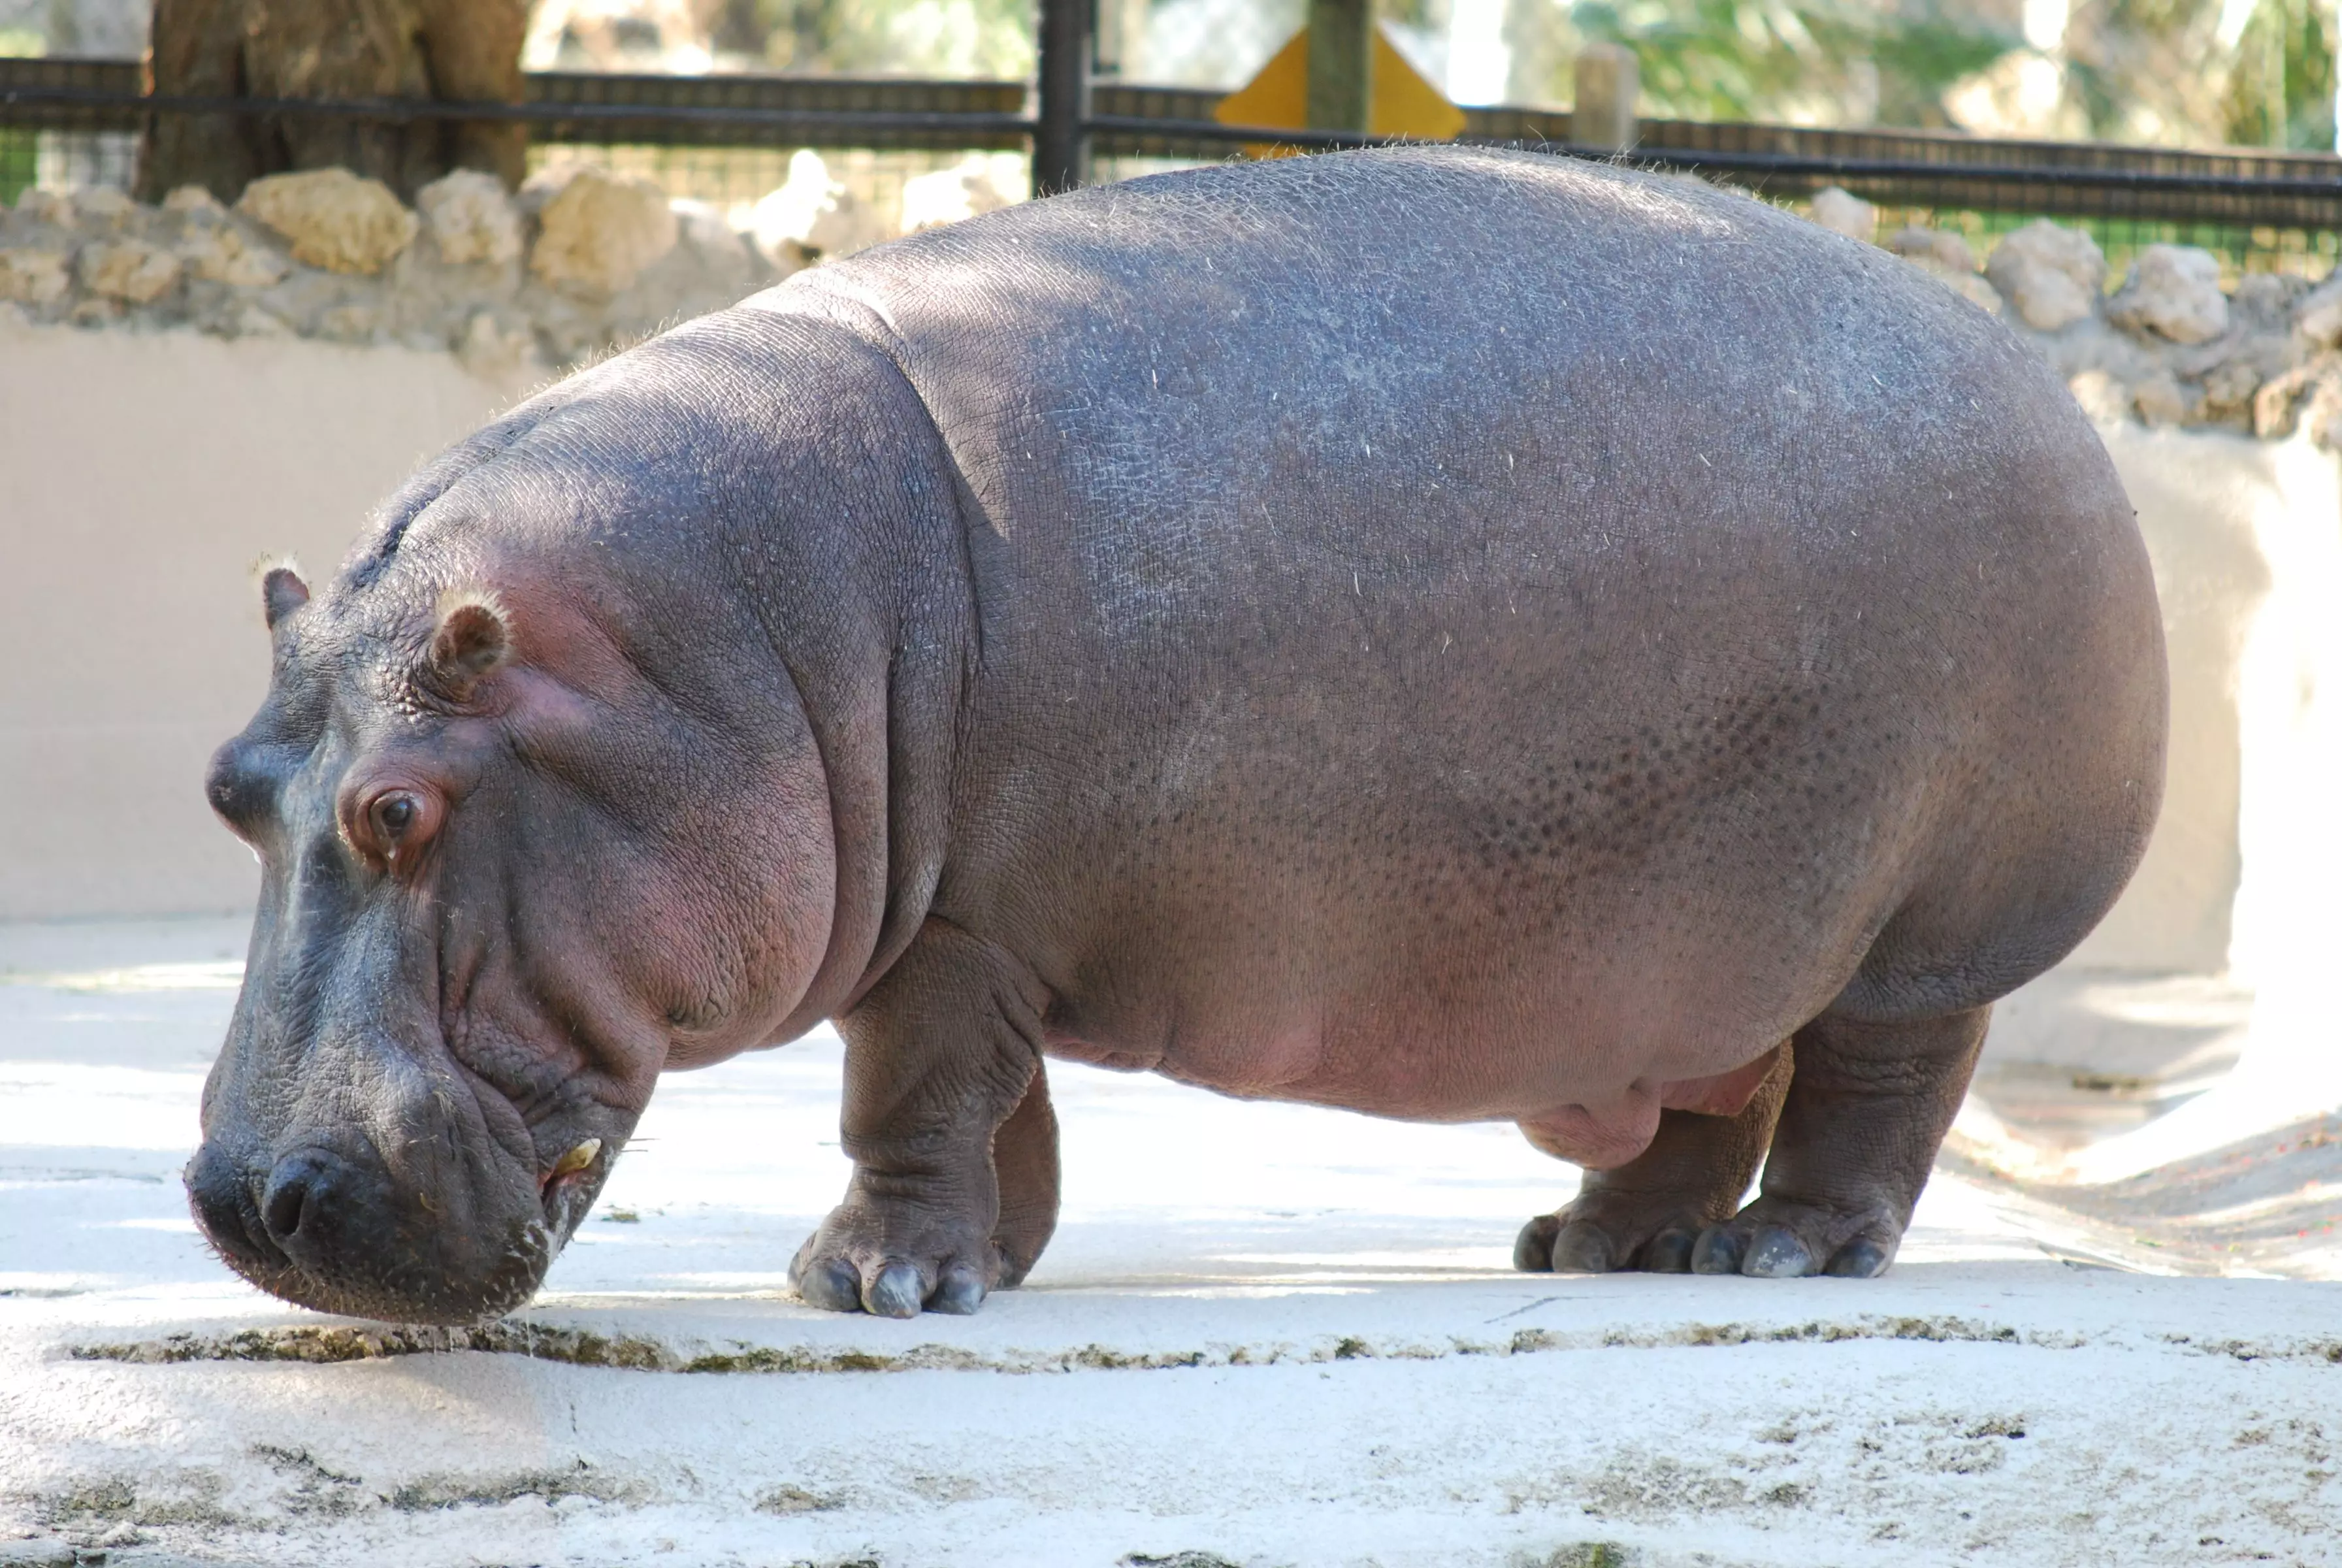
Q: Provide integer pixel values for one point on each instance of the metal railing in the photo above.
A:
(1910, 169)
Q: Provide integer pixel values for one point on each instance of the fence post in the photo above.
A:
(1609, 80)
(1341, 64)
(1061, 140)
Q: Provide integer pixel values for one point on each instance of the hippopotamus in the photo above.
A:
(1452, 634)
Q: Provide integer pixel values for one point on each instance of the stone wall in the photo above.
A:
(582, 261)
(2171, 344)
(586, 259)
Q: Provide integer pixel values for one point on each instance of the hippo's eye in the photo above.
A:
(392, 820)
(391, 823)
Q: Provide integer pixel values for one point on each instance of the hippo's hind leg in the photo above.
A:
(1024, 1162)
(1867, 1108)
(1648, 1213)
(947, 1119)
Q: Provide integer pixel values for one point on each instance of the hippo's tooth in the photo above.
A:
(577, 1159)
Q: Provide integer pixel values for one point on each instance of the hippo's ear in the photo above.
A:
(470, 640)
(281, 592)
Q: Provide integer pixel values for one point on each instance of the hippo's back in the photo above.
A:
(1517, 534)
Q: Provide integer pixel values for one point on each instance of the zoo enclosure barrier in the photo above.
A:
(727, 138)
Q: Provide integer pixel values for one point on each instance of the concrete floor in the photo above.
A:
(1265, 1334)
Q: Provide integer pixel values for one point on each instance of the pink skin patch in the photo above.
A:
(1724, 1094)
(1605, 1138)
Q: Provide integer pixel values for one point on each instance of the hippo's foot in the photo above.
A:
(1773, 1239)
(866, 1259)
(1649, 1213)
(1865, 1111)
(1607, 1230)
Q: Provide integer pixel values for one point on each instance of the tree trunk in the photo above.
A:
(460, 50)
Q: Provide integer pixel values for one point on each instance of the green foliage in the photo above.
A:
(1810, 61)
(2157, 71)
(2281, 89)
(19, 163)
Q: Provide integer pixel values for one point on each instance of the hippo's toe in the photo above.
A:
(830, 1284)
(1669, 1251)
(1532, 1248)
(959, 1292)
(865, 1259)
(1774, 1239)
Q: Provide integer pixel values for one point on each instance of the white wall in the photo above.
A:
(142, 477)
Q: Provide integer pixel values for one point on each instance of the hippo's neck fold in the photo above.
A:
(850, 543)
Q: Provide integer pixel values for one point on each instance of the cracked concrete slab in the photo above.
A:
(1266, 1334)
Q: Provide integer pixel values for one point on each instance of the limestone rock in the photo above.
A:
(222, 252)
(2174, 292)
(2319, 317)
(195, 202)
(2161, 400)
(470, 218)
(596, 231)
(102, 209)
(718, 248)
(354, 322)
(781, 224)
(2102, 397)
(333, 218)
(1945, 257)
(251, 321)
(1939, 249)
(40, 1552)
(1969, 287)
(1847, 214)
(36, 205)
(493, 352)
(2266, 301)
(2054, 275)
(133, 271)
(2231, 385)
(34, 275)
(947, 195)
(813, 214)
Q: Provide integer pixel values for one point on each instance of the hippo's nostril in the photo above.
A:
(282, 1212)
(299, 1189)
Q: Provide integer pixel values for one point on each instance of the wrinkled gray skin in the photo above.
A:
(1449, 635)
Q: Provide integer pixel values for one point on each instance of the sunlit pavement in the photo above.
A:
(1263, 1334)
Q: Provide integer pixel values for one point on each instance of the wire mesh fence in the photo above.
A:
(729, 140)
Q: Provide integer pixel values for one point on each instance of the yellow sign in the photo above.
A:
(1399, 102)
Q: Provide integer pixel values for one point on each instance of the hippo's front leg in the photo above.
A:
(947, 1118)
(1867, 1108)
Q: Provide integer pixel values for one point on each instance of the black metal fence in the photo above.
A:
(725, 136)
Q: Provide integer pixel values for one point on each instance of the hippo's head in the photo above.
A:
(519, 853)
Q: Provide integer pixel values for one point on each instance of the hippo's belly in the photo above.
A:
(1484, 944)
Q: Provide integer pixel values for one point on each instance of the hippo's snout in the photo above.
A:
(335, 1229)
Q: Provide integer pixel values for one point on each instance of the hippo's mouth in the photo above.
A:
(422, 1271)
(566, 1192)
(404, 1291)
